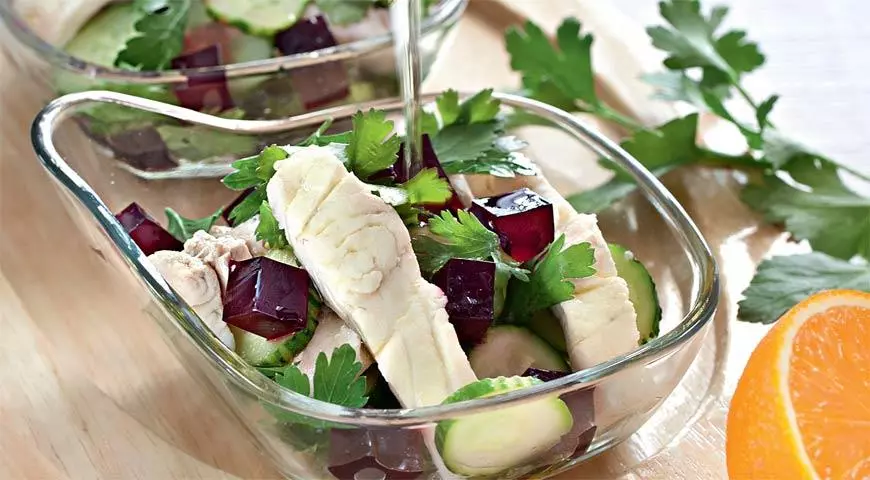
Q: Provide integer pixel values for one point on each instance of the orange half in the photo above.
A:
(802, 406)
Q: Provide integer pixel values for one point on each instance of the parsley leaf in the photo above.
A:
(161, 36)
(253, 172)
(427, 188)
(560, 76)
(692, 40)
(566, 72)
(256, 170)
(660, 151)
(816, 207)
(783, 281)
(373, 146)
(268, 229)
(549, 281)
(184, 228)
(464, 237)
(336, 380)
(472, 140)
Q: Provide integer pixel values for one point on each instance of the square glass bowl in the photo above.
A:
(155, 146)
(308, 439)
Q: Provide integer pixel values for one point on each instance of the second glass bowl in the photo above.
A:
(153, 146)
(609, 401)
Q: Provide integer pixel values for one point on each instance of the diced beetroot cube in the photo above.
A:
(522, 219)
(470, 289)
(142, 148)
(235, 203)
(430, 160)
(147, 233)
(207, 35)
(203, 90)
(544, 375)
(316, 85)
(398, 454)
(266, 298)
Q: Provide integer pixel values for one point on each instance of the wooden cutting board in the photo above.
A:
(90, 389)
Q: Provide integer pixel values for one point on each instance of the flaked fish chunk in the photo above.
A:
(217, 252)
(197, 283)
(358, 252)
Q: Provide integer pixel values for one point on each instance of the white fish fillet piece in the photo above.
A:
(358, 252)
(330, 334)
(198, 285)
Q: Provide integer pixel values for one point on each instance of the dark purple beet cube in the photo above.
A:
(396, 454)
(145, 232)
(266, 298)
(522, 219)
(235, 203)
(320, 84)
(430, 160)
(142, 148)
(470, 287)
(203, 90)
(544, 375)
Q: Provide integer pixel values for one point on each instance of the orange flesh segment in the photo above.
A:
(829, 381)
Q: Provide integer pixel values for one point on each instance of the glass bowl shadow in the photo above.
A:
(307, 438)
(155, 146)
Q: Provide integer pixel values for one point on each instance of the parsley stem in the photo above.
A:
(624, 121)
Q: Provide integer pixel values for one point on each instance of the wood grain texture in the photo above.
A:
(90, 389)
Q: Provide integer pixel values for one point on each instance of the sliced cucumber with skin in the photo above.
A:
(641, 292)
(259, 352)
(510, 350)
(263, 18)
(492, 442)
(545, 325)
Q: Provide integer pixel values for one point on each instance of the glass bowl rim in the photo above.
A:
(705, 273)
(447, 12)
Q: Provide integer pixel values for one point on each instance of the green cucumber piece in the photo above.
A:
(492, 442)
(511, 350)
(263, 18)
(98, 42)
(545, 325)
(259, 352)
(641, 291)
(282, 255)
(105, 35)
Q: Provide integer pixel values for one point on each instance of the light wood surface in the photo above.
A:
(90, 389)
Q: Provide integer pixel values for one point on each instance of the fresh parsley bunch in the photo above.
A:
(793, 185)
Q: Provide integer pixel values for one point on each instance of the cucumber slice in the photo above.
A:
(263, 18)
(491, 442)
(545, 325)
(259, 352)
(641, 291)
(98, 42)
(510, 350)
(105, 35)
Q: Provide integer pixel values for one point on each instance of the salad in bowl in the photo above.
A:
(466, 278)
(237, 59)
